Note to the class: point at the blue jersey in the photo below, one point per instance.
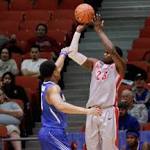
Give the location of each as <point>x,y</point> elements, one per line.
<point>51,117</point>
<point>140,145</point>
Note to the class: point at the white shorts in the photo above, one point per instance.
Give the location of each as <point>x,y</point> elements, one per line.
<point>12,128</point>
<point>101,132</point>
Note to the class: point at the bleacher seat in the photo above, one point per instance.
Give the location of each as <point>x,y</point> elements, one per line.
<point>145,32</point>
<point>147,22</point>
<point>141,43</point>
<point>137,54</point>
<point>69,4</point>
<point>18,58</point>
<point>11,15</point>
<point>4,5</point>
<point>21,5</point>
<point>46,4</point>
<point>44,15</point>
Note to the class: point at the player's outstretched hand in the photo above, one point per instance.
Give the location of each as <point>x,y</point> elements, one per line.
<point>98,23</point>
<point>80,28</point>
<point>65,50</point>
<point>96,111</point>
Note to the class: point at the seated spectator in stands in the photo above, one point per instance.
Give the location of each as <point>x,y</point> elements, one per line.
<point>30,67</point>
<point>126,121</point>
<point>45,42</point>
<point>139,111</point>
<point>10,115</point>
<point>14,91</point>
<point>12,45</point>
<point>140,91</point>
<point>133,141</point>
<point>6,63</point>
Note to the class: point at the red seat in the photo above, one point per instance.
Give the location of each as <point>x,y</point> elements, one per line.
<point>24,35</point>
<point>18,58</point>
<point>141,43</point>
<point>137,54</point>
<point>9,26</point>
<point>30,25</point>
<point>65,24</point>
<point>146,126</point>
<point>59,36</point>
<point>11,15</point>
<point>4,5</point>
<point>21,5</point>
<point>3,131</point>
<point>28,82</point>
<point>46,4</point>
<point>147,22</point>
<point>69,4</point>
<point>64,14</point>
<point>145,32</point>
<point>45,15</point>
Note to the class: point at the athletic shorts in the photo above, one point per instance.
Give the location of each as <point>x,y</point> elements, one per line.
<point>53,139</point>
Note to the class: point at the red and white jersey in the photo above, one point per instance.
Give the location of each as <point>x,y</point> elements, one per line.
<point>105,81</point>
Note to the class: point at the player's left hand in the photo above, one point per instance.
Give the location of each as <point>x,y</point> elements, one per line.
<point>98,23</point>
<point>65,50</point>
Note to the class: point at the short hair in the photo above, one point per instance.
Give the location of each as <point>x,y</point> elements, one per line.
<point>35,46</point>
<point>42,24</point>
<point>119,51</point>
<point>47,68</point>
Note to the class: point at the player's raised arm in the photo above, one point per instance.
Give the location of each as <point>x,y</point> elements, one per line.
<point>60,60</point>
<point>53,98</point>
<point>109,47</point>
<point>75,55</point>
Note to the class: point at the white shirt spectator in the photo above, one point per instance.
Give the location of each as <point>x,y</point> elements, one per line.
<point>8,66</point>
<point>31,66</point>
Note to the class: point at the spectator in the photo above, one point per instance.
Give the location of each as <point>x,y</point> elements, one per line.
<point>139,111</point>
<point>14,91</point>
<point>45,42</point>
<point>141,93</point>
<point>10,115</point>
<point>133,141</point>
<point>126,121</point>
<point>12,45</point>
<point>6,63</point>
<point>30,67</point>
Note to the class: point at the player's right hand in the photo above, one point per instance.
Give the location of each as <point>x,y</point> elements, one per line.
<point>96,111</point>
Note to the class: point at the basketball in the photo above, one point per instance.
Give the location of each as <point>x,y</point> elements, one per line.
<point>84,13</point>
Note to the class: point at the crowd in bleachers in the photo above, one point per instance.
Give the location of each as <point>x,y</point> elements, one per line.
<point>34,31</point>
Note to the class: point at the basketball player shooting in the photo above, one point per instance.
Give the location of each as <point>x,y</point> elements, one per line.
<point>106,76</point>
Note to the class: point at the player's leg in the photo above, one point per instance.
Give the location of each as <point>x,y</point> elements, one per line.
<point>92,135</point>
<point>109,131</point>
<point>55,139</point>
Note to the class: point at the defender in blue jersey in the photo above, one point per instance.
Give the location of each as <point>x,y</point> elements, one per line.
<point>52,134</point>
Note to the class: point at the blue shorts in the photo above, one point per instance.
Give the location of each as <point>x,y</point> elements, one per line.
<point>53,139</point>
